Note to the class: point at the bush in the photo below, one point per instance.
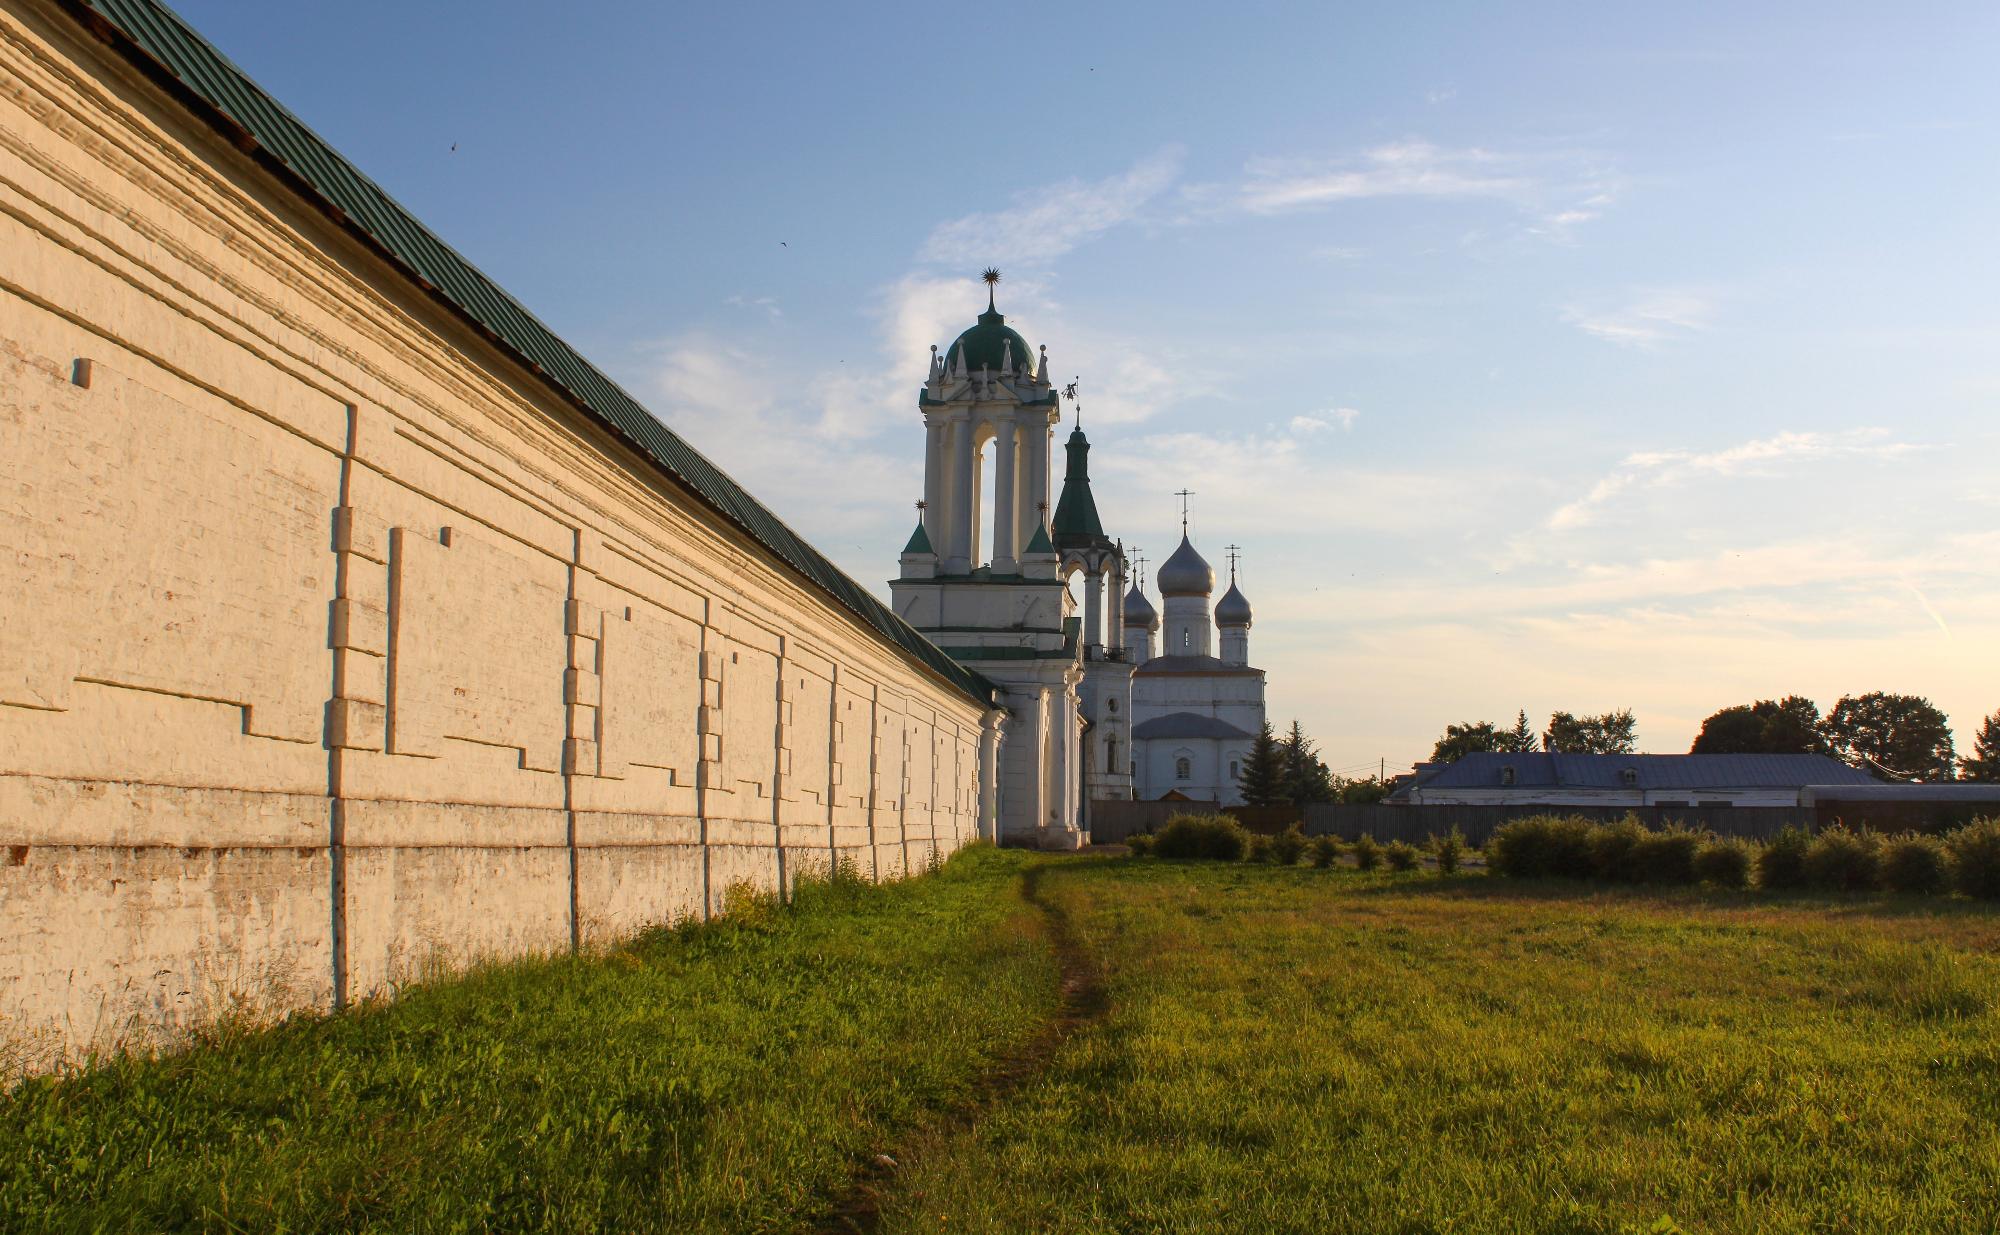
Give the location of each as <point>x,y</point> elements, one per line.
<point>1140,843</point>
<point>1449,850</point>
<point>1288,846</point>
<point>1216,837</point>
<point>1839,860</point>
<point>1916,863</point>
<point>1260,849</point>
<point>1402,856</point>
<point>1975,851</point>
<point>1612,846</point>
<point>1367,854</point>
<point>1324,852</point>
<point>1782,864</point>
<point>1725,862</point>
<point>1541,846</point>
<point>1665,856</point>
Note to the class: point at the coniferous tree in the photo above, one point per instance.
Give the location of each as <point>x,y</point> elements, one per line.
<point>1261,782</point>
<point>1521,739</point>
<point>1984,762</point>
<point>1306,778</point>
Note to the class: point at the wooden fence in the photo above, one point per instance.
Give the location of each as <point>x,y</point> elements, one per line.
<point>1112,820</point>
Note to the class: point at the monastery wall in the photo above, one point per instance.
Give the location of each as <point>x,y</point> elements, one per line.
<point>334,645</point>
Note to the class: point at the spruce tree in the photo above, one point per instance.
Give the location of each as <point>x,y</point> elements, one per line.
<point>1306,779</point>
<point>1984,762</point>
<point>1521,739</point>
<point>1261,782</point>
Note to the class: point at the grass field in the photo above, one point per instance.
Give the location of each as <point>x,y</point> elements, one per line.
<point>1245,1048</point>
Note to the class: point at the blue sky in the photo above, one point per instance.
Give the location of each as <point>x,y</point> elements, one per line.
<point>1538,356</point>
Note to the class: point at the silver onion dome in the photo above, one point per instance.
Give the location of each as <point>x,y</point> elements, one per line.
<point>1186,573</point>
<point>1232,609</point>
<point>1139,612</point>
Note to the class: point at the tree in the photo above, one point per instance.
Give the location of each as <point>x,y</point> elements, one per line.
<point>1469,738</point>
<point>1895,737</point>
<point>1609,734</point>
<point>1521,739</point>
<point>1261,782</point>
<point>1984,762</point>
<point>1788,726</point>
<point>1364,791</point>
<point>1306,778</point>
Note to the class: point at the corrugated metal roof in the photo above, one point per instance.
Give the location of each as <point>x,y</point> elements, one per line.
<point>1654,771</point>
<point>144,30</point>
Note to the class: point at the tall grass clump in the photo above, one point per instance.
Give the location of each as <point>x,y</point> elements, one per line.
<point>1782,864</point>
<point>1449,850</point>
<point>1540,847</point>
<point>1402,856</point>
<point>1367,854</point>
<point>1259,850</point>
<point>1217,838</point>
<point>1288,846</point>
<point>1324,851</point>
<point>1840,860</point>
<point>1916,863</point>
<point>1725,862</point>
<point>1975,853</point>
<point>1140,843</point>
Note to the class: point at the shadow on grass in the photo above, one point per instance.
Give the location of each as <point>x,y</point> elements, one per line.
<point>1861,905</point>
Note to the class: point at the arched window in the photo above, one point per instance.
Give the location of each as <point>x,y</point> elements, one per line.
<point>1183,768</point>
<point>1111,753</point>
<point>1233,773</point>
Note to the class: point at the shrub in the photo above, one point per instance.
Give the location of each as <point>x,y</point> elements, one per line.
<point>1288,846</point>
<point>1216,837</point>
<point>1140,843</point>
<point>1665,856</point>
<point>1612,846</point>
<point>1260,849</point>
<point>1449,850</point>
<point>1782,864</point>
<point>1725,862</point>
<point>1916,863</point>
<point>1324,852</point>
<point>1367,854</point>
<point>1975,851</point>
<point>1839,860</point>
<point>1402,856</point>
<point>1541,846</point>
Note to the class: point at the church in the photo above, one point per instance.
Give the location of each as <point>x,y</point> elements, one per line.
<point>1042,605</point>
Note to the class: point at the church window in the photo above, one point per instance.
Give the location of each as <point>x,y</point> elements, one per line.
<point>1233,773</point>
<point>1187,638</point>
<point>1111,752</point>
<point>1183,768</point>
<point>1111,705</point>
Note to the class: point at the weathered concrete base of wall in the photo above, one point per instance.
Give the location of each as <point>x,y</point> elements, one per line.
<point>623,889</point>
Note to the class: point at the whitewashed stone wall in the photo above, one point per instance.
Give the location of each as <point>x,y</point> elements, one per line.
<point>334,646</point>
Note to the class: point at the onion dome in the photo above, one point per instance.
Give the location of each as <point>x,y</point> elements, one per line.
<point>991,344</point>
<point>1186,573</point>
<point>1139,612</point>
<point>1232,609</point>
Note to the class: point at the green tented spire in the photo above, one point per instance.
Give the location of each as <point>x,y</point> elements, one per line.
<point>920,541</point>
<point>1076,523</point>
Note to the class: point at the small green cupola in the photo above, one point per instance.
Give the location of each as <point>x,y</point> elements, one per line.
<point>1076,525</point>
<point>991,343</point>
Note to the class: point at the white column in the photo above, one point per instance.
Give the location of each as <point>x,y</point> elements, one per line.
<point>1115,640</point>
<point>1006,523</point>
<point>1059,758</point>
<point>934,482</point>
<point>964,502</point>
<point>1093,611</point>
<point>989,774</point>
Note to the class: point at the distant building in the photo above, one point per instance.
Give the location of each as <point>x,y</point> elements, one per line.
<point>1497,779</point>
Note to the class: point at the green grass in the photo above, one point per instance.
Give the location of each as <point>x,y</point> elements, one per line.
<point>720,1077</point>
<point>1279,1049</point>
<point>1326,1051</point>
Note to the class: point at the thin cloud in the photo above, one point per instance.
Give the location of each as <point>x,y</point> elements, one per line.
<point>1647,321</point>
<point>1048,222</point>
<point>1341,418</point>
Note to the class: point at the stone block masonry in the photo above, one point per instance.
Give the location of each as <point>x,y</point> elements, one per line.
<point>335,646</point>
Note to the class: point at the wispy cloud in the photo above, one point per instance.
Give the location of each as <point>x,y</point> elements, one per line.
<point>1047,222</point>
<point>1648,320</point>
<point>1341,418</point>
<point>768,304</point>
<point>1657,468</point>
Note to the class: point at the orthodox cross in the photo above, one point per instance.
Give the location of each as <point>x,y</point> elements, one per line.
<point>1138,566</point>
<point>1234,553</point>
<point>1184,495</point>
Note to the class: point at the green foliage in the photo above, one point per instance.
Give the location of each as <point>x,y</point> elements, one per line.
<point>1259,849</point>
<point>1916,863</point>
<point>1449,850</point>
<point>1782,863</point>
<point>1841,860</point>
<point>1288,846</point>
<point>1402,856</point>
<point>1540,847</point>
<point>1975,853</point>
<point>720,1076</point>
<point>1788,726</point>
<point>1666,856</point>
<point>1984,762</point>
<point>1140,843</point>
<point>1896,737</point>
<point>1612,846</point>
<point>1324,851</point>
<point>1609,734</point>
<point>1215,837</point>
<point>1365,791</point>
<point>1305,777</point>
<point>1471,738</point>
<point>1261,780</point>
<point>1725,861</point>
<point>1367,853</point>
<point>1521,739</point>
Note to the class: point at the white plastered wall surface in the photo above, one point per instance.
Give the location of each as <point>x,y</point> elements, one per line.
<point>334,646</point>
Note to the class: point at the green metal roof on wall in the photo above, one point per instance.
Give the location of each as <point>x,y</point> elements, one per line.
<point>145,29</point>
